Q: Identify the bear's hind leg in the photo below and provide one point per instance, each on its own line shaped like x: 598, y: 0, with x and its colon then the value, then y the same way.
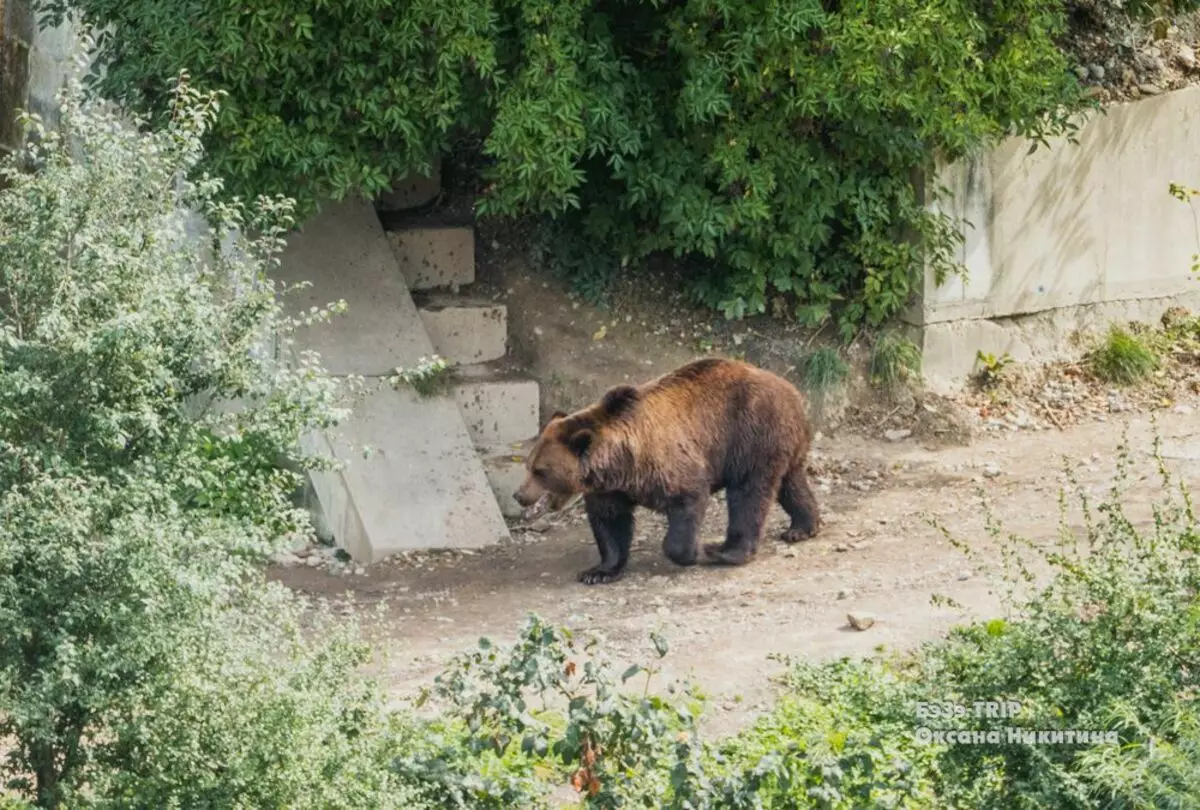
x: 748, y: 508
x: 796, y: 498
x: 611, y: 519
x: 682, y: 543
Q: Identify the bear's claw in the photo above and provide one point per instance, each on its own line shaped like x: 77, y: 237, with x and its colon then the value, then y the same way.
x: 598, y: 576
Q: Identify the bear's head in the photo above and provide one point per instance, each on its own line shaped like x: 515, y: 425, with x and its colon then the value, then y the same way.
x: 554, y: 467
x: 567, y: 460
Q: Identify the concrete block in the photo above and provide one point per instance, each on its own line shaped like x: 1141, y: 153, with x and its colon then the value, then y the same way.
x: 413, y: 190
x: 435, y: 257
x: 498, y: 411
x: 423, y: 486
x: 505, y: 473
x: 465, y: 331
x: 949, y: 349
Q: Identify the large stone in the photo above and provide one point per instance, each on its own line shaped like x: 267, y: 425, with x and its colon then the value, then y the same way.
x: 498, y: 410
x: 505, y: 469
x: 466, y: 331
x: 436, y: 257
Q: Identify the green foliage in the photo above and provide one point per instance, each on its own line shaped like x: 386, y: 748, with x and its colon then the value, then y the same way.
x: 575, y: 257
x: 895, y: 361
x: 145, y: 428
x: 429, y: 377
x: 1187, y: 195
x: 784, y: 145
x: 823, y: 370
x: 1123, y: 358
x: 616, y: 746
x: 989, y: 368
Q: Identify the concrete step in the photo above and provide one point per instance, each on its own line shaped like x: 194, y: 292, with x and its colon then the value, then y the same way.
x: 497, y: 406
x: 464, y: 330
x: 412, y: 191
x: 424, y: 485
x: 504, y: 466
x: 435, y: 257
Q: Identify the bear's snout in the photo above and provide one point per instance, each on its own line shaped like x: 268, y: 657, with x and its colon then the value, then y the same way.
x: 527, y: 495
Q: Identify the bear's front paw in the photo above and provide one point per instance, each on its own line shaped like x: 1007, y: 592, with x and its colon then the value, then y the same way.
x: 598, y: 576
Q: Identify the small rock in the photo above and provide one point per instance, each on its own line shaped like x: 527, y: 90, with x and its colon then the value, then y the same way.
x: 314, y: 561
x: 861, y: 621
x: 861, y: 486
x: 897, y: 435
x: 1082, y: 73
x: 1183, y: 409
x: 1096, y: 72
x: 845, y: 593
x: 540, y: 525
x: 1186, y: 57
x: 663, y: 611
x: 991, y: 470
x: 1117, y: 402
x: 841, y: 547
x: 286, y: 559
x: 964, y: 576
x: 1149, y: 89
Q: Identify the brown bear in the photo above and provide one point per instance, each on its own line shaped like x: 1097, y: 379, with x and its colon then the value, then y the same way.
x: 668, y: 445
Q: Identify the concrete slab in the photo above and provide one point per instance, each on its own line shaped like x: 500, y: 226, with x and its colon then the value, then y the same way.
x: 499, y: 411
x: 423, y: 486
x: 344, y: 254
x: 505, y: 473
x: 413, y: 190
x: 948, y: 350
x: 465, y: 331
x: 434, y: 257
x: 1046, y: 231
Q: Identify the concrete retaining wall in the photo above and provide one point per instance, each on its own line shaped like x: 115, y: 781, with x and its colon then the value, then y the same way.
x: 1068, y: 238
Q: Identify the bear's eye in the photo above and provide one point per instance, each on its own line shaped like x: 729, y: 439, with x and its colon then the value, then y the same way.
x: 540, y: 472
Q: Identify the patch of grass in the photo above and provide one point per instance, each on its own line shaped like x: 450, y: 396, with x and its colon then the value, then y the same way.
x: 823, y: 370
x: 431, y: 376
x: 1123, y: 358
x: 894, y: 361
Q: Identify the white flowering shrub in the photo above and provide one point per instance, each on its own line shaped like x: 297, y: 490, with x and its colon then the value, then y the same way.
x: 144, y: 426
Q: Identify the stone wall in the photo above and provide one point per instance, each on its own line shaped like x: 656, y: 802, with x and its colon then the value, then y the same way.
x: 1065, y: 239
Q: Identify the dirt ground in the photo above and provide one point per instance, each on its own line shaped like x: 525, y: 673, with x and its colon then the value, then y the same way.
x: 877, y: 553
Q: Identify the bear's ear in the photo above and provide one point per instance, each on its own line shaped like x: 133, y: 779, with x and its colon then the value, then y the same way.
x: 553, y: 416
x: 618, y: 400
x: 580, y: 441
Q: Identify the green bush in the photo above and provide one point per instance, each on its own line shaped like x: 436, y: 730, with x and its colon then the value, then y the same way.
x: 144, y: 660
x: 777, y: 142
x: 1123, y: 357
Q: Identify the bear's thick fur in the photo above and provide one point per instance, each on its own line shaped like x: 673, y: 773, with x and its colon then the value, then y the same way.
x: 668, y: 445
